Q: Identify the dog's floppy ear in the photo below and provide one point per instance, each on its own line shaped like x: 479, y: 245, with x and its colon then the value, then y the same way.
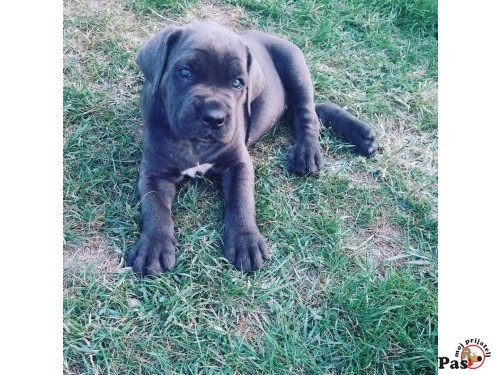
x: 256, y: 80
x: 152, y: 58
x: 465, y: 353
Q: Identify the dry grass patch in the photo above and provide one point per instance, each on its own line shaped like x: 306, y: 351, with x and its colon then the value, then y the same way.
x: 380, y: 240
x: 248, y: 327
x: 231, y: 17
x: 95, y: 254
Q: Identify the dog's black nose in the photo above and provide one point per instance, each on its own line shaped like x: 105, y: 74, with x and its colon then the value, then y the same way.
x: 214, y: 117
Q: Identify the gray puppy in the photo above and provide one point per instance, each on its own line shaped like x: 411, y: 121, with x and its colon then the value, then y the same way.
x: 209, y: 94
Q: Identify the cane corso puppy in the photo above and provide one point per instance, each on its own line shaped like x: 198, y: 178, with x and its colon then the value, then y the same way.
x: 209, y: 94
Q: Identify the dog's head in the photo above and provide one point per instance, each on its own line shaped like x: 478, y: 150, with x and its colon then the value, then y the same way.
x: 206, y: 77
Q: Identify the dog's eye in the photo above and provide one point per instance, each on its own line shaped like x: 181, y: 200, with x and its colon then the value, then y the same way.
x: 237, y: 83
x: 185, y: 73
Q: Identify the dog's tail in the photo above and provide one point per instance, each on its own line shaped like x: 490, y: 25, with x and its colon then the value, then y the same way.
x: 357, y: 132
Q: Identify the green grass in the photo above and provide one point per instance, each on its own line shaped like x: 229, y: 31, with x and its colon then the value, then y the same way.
x: 351, y: 287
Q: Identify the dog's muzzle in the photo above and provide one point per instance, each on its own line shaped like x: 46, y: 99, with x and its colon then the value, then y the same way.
x: 214, y: 115
x: 214, y: 118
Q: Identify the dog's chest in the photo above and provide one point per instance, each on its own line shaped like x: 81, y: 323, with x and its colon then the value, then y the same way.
x: 197, y: 171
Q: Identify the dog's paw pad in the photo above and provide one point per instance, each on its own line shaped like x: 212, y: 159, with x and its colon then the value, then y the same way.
x: 151, y: 257
x: 246, y: 251
x: 305, y: 158
x: 363, y: 137
x: 368, y: 146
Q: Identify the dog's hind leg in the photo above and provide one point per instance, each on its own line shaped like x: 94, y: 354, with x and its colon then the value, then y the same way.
x: 305, y: 156
x: 357, y: 132
x: 291, y: 65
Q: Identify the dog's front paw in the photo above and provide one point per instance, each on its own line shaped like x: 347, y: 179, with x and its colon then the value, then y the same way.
x: 152, y: 255
x: 363, y: 137
x: 246, y: 250
x: 305, y: 157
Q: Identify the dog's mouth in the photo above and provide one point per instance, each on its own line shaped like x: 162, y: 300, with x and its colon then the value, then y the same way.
x: 199, y: 131
x: 208, y: 139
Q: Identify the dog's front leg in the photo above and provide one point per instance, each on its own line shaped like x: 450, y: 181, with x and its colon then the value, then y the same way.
x: 154, y: 253
x: 244, y: 246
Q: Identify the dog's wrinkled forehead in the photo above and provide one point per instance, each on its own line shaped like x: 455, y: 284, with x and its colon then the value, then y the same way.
x: 211, y: 44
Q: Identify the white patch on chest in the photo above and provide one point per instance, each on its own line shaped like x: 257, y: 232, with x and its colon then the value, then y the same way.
x: 197, y: 171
